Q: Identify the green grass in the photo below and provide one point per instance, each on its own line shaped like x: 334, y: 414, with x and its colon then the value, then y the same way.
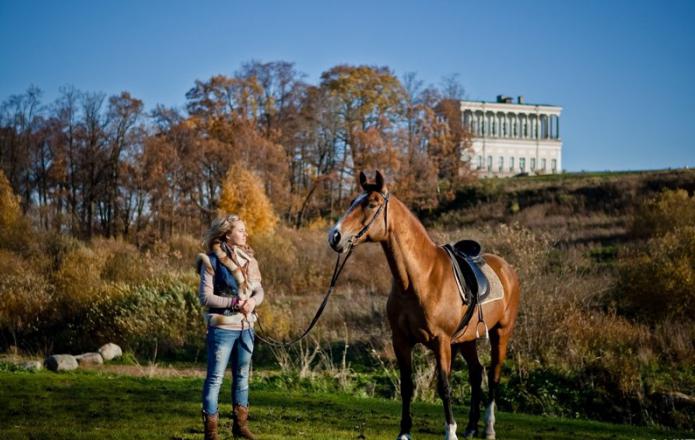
x: 87, y: 405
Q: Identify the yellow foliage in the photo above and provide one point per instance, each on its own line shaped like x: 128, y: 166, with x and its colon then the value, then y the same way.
x: 243, y: 194
x: 14, y: 229
x: 319, y: 224
x: 668, y: 211
x: 24, y: 293
x: 9, y: 204
x: 78, y: 279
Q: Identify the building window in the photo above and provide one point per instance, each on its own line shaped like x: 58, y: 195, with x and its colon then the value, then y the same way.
x: 522, y: 164
x: 553, y: 165
x: 543, y: 164
x: 489, y: 163
x: 533, y: 164
x: 511, y: 163
x: 494, y: 128
x: 501, y: 164
x: 479, y: 162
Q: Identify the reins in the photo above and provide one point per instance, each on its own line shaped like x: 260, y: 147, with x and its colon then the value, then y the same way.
x: 352, y: 243
x: 336, y: 272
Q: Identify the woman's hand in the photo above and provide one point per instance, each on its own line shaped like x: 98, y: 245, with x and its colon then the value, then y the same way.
x: 247, y: 306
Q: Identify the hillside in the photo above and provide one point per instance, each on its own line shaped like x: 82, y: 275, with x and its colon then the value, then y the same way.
x: 579, y: 207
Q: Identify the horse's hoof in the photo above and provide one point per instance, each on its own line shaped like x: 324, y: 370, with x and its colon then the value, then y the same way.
x: 490, y: 435
x: 404, y: 437
x: 450, y: 432
x: 470, y: 433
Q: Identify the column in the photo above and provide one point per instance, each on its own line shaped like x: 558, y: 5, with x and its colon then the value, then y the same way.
x: 526, y: 126
x: 557, y: 132
x: 550, y: 126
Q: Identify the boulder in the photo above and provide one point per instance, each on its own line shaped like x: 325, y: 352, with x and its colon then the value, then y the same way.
x: 89, y: 359
x: 110, y: 351
x: 61, y: 362
x: 31, y: 365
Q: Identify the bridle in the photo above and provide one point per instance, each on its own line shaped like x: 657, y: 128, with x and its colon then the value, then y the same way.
x: 351, y: 244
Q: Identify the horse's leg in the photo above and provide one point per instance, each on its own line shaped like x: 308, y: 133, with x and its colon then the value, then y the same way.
x: 442, y: 352
x: 475, y: 379
x: 499, y: 338
x: 404, y: 356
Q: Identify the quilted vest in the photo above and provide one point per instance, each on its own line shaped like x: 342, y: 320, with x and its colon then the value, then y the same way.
x: 224, y: 283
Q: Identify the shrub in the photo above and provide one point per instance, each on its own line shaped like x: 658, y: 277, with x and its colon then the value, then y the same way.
x: 666, y: 212
x: 77, y: 280
x: 158, y: 316
x: 24, y: 295
x: 121, y: 261
x: 657, y: 281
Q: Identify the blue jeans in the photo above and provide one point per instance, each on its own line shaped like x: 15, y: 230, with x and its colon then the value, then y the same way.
x: 223, y: 344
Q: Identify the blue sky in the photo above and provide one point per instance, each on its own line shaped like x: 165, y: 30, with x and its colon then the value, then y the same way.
x: 623, y: 70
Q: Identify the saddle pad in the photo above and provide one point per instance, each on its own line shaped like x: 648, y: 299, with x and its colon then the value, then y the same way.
x: 496, y: 289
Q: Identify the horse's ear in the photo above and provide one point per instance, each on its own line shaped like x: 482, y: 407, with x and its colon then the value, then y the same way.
x: 379, y: 181
x: 363, y: 180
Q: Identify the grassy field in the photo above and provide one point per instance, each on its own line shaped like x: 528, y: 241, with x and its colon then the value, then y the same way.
x: 88, y: 405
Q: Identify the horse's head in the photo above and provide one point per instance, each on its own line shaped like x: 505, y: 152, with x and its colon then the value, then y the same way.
x: 366, y: 217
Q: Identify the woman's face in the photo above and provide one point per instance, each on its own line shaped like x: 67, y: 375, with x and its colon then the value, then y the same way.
x: 237, y: 236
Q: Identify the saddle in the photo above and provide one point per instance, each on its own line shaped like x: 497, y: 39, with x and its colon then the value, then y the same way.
x: 467, y: 261
x: 474, y: 286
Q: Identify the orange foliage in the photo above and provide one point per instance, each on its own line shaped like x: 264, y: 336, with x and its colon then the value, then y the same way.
x: 243, y: 194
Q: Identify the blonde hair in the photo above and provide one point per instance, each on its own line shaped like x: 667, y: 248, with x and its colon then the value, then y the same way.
x: 219, y: 228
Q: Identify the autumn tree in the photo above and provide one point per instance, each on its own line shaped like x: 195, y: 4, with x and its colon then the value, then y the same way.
x: 416, y: 181
x: 243, y: 194
x: 13, y: 227
x: 90, y: 164
x: 368, y: 105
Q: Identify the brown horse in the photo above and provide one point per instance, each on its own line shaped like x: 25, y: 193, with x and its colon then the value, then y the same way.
x: 424, y: 305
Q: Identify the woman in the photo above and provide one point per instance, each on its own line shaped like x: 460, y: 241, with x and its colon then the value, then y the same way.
x: 230, y: 288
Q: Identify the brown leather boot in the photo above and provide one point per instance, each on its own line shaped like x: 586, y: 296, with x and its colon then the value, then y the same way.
x: 210, y: 426
x: 240, y: 427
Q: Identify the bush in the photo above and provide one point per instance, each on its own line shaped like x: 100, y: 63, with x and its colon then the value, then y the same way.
x: 657, y: 281
x: 670, y: 210
x: 122, y: 262
x: 159, y: 316
x: 24, y: 296
x: 77, y: 281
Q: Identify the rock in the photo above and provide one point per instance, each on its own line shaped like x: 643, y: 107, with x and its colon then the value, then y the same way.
x: 31, y: 365
x: 110, y: 351
x: 61, y: 362
x: 89, y: 359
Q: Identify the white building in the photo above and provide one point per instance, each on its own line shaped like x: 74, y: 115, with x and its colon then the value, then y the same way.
x: 513, y: 137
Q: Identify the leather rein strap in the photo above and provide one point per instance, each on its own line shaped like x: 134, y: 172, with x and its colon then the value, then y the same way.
x: 352, y: 243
